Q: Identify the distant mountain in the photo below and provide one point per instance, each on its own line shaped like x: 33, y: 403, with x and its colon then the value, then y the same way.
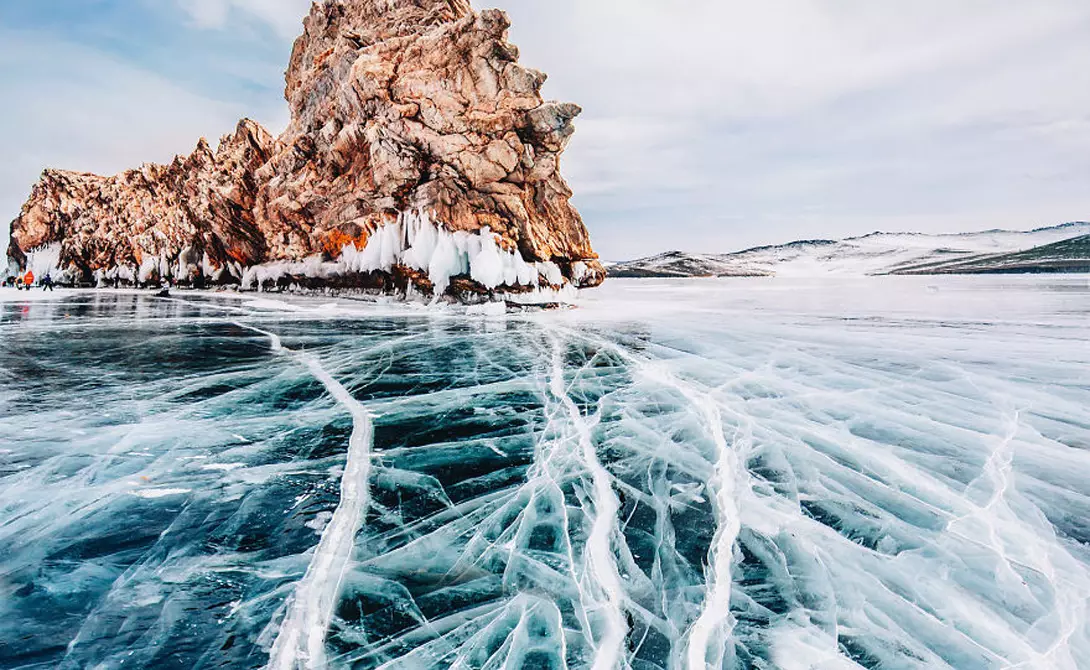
x: 681, y: 264
x: 1066, y: 256
x: 1055, y: 249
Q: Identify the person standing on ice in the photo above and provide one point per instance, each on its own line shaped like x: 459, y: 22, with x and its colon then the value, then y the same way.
x: 28, y: 279
x: 47, y: 283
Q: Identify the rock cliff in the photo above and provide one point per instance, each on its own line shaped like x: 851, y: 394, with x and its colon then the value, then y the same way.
x: 419, y: 153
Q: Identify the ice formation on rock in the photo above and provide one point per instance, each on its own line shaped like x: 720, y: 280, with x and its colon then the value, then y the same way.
x: 45, y: 260
x: 396, y: 107
x: 416, y: 243
x: 429, y: 252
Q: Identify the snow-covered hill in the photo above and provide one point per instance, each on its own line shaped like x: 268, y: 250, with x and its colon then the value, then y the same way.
x: 1070, y: 255
x: 875, y: 254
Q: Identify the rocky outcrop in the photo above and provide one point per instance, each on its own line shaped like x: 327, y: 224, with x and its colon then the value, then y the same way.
x: 140, y: 220
x: 405, y: 115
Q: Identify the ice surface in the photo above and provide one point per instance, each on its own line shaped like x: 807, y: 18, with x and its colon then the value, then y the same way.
x: 680, y: 475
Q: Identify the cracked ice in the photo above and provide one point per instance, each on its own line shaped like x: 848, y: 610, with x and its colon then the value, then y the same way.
x: 880, y: 473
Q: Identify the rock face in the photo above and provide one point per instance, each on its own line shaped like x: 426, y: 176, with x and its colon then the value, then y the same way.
x: 405, y: 114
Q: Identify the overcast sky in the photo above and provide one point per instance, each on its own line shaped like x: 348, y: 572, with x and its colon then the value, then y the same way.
x: 709, y: 125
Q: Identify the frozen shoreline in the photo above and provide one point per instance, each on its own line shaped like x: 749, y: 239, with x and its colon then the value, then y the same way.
x: 567, y: 296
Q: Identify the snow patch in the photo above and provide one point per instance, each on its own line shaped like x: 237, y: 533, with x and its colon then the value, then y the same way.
x: 155, y: 494
x: 313, y: 267
x: 488, y: 310
x: 320, y: 522
x: 567, y: 295
x: 223, y: 467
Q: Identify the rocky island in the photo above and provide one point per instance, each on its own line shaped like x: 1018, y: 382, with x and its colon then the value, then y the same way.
x: 420, y: 158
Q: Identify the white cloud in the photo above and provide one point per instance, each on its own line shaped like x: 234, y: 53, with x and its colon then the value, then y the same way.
x: 283, y: 16
x: 742, y: 58
x: 766, y: 121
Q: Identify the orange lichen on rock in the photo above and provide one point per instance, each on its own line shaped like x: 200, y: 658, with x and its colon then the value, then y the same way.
x: 337, y: 240
x: 321, y: 59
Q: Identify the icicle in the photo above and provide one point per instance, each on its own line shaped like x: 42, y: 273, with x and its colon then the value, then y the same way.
x: 416, y: 242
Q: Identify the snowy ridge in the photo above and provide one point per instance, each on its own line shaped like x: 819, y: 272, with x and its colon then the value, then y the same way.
x: 301, y: 640
x: 874, y: 254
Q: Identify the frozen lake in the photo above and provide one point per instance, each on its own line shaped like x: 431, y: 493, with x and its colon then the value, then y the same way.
x: 876, y: 473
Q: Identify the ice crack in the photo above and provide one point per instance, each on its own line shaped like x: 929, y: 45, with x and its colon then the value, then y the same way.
x: 707, y: 639
x: 609, y: 653
x: 301, y: 640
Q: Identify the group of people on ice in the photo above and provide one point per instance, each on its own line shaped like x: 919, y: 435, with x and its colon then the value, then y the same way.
x: 26, y: 281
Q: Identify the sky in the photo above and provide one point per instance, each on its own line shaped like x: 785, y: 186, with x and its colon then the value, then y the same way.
x: 708, y: 125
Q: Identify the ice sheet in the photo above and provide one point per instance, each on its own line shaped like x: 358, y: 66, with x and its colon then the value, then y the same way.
x: 881, y: 473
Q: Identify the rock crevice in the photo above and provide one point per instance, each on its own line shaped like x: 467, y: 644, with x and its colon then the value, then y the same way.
x: 397, y: 107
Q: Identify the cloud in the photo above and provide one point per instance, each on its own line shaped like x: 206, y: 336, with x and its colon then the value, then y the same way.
x: 735, y: 58
x: 72, y: 107
x: 283, y: 16
x: 735, y: 123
